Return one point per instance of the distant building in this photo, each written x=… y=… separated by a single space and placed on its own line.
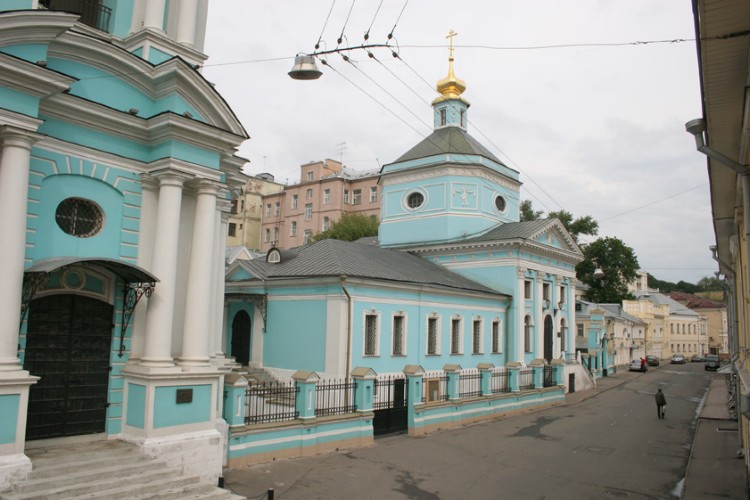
x=715 y=314
x=244 y=225
x=327 y=189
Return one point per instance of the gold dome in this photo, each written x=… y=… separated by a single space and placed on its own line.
x=450 y=87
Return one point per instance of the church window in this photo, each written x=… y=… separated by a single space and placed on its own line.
x=527 y=334
x=496 y=341
x=476 y=337
x=371 y=335
x=563 y=334
x=500 y=203
x=456 y=336
x=433 y=345
x=463 y=118
x=398 y=336
x=415 y=200
x=527 y=289
x=79 y=217
x=443 y=119
x=232 y=229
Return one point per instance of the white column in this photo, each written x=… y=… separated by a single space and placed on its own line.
x=538 y=341
x=520 y=309
x=217 y=311
x=160 y=311
x=198 y=303
x=147 y=230
x=572 y=325
x=154 y=15
x=186 y=21
x=14 y=186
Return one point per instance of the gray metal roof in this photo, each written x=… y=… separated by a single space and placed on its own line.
x=513 y=230
x=661 y=299
x=333 y=258
x=447 y=140
x=616 y=310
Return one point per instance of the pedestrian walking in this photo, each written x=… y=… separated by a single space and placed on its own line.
x=661 y=402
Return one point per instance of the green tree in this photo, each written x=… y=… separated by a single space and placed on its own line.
x=581 y=225
x=350 y=227
x=710 y=284
x=528 y=213
x=618 y=264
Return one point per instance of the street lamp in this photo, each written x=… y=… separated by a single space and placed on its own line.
x=304 y=67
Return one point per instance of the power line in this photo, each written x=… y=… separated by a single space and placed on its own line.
x=654 y=202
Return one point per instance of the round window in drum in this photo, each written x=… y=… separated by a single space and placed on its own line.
x=500 y=203
x=79 y=217
x=415 y=200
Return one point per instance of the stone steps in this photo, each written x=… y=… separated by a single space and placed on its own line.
x=107 y=469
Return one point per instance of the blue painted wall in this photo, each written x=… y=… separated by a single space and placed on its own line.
x=167 y=412
x=9 y=417
x=136 y=416
x=295 y=335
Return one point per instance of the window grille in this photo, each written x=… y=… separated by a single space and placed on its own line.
x=398 y=335
x=79 y=217
x=496 y=336
x=477 y=337
x=432 y=336
x=455 y=336
x=371 y=335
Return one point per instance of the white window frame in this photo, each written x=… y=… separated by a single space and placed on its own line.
x=373 y=194
x=326 y=223
x=309 y=194
x=356 y=196
x=267 y=236
x=326 y=196
x=295 y=199
x=430 y=320
x=293 y=229
x=277 y=209
x=309 y=176
x=268 y=210
x=477 y=330
x=308 y=211
x=276 y=234
x=307 y=236
x=528 y=290
x=457 y=335
x=401 y=351
x=528 y=334
x=376 y=318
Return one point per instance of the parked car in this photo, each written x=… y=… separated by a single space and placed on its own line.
x=712 y=362
x=635 y=366
x=697 y=358
x=652 y=360
x=678 y=359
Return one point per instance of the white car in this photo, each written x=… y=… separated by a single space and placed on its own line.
x=635 y=366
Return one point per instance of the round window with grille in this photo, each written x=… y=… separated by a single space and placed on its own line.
x=500 y=203
x=415 y=200
x=79 y=217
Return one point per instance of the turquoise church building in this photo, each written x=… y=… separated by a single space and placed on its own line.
x=453 y=278
x=116 y=162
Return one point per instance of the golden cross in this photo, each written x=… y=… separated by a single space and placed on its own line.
x=450 y=36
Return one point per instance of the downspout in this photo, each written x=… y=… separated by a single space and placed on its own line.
x=348 y=327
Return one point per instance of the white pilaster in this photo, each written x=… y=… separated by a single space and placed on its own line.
x=14 y=185
x=200 y=300
x=160 y=311
x=520 y=309
x=186 y=21
x=218 y=311
x=154 y=15
x=572 y=326
x=538 y=341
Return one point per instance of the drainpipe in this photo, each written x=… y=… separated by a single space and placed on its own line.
x=348 y=327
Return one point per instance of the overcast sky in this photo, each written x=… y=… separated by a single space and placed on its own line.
x=560 y=91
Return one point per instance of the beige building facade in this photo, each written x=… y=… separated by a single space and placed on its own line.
x=244 y=224
x=327 y=189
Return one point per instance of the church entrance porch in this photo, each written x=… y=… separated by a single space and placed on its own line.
x=68 y=346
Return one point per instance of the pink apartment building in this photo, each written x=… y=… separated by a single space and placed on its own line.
x=326 y=190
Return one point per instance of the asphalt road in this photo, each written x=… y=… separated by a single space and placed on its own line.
x=610 y=445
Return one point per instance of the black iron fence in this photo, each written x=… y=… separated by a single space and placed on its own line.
x=270 y=402
x=526 y=379
x=500 y=381
x=549 y=376
x=335 y=397
x=470 y=385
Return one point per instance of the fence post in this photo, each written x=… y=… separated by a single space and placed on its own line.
x=485 y=370
x=514 y=368
x=235 y=387
x=414 y=380
x=538 y=366
x=559 y=366
x=365 y=379
x=305 y=400
x=453 y=374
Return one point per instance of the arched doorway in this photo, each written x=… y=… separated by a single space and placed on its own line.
x=241 y=338
x=548 y=338
x=68 y=345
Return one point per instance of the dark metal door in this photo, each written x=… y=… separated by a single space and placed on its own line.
x=68 y=346
x=390 y=406
x=548 y=340
x=241 y=338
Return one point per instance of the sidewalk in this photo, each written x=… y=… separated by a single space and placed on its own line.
x=715 y=469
